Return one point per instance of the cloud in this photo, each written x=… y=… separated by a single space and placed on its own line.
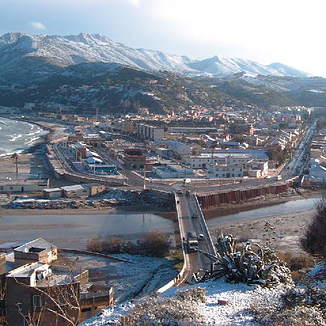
x=134 y=2
x=38 y=25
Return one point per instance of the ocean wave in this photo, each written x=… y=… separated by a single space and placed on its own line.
x=34 y=133
x=4 y=153
x=32 y=141
x=15 y=137
x=18 y=136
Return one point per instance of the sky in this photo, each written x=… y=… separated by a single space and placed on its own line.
x=286 y=31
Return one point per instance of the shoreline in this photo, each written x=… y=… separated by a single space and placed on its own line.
x=230 y=209
x=171 y=215
x=30 y=149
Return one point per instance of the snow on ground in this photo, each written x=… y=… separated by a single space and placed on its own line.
x=144 y=275
x=137 y=278
x=319 y=274
x=240 y=298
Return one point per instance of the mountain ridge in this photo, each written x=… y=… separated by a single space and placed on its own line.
x=23 y=51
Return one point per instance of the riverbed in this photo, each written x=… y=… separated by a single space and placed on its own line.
x=74 y=230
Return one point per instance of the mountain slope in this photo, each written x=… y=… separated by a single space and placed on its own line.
x=287 y=71
x=221 y=66
x=27 y=58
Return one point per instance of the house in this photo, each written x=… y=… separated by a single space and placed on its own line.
x=133 y=158
x=95 y=189
x=43 y=294
x=173 y=172
x=52 y=193
x=75 y=191
x=52 y=295
x=28 y=185
x=37 y=250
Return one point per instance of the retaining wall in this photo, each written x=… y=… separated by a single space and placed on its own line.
x=237 y=196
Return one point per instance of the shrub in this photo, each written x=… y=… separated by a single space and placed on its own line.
x=195 y=295
x=302 y=306
x=314 y=240
x=154 y=244
x=297 y=262
x=252 y=264
x=154 y=311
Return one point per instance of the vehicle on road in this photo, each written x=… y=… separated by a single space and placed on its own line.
x=201 y=237
x=192 y=242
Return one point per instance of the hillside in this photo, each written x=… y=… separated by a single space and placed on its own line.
x=26 y=59
x=113 y=87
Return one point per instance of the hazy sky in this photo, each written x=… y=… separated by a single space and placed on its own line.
x=287 y=31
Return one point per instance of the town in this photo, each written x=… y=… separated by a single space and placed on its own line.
x=204 y=161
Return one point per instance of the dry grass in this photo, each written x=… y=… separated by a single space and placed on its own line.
x=304 y=306
x=155 y=311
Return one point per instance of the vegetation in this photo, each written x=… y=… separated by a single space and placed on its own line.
x=314 y=239
x=252 y=264
x=181 y=310
x=155 y=244
x=302 y=306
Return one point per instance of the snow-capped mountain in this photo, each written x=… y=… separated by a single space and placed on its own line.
x=223 y=66
x=39 y=55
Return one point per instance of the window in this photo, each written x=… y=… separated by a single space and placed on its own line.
x=37 y=301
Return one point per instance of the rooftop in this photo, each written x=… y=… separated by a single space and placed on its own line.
x=39 y=243
x=26 y=270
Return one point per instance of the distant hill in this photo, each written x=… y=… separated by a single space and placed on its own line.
x=26 y=58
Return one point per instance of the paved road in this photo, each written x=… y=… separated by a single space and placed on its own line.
x=191 y=219
x=300 y=155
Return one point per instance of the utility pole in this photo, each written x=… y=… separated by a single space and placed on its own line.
x=145 y=174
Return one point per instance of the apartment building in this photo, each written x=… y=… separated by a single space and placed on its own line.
x=148 y=132
x=43 y=292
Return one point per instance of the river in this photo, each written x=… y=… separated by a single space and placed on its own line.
x=75 y=230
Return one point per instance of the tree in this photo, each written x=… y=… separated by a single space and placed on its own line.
x=15 y=157
x=314 y=239
x=156 y=244
x=57 y=303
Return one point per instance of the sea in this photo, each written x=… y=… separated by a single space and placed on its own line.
x=17 y=136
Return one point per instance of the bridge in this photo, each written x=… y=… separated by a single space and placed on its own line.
x=192 y=225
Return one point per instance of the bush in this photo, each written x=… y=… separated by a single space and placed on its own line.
x=297 y=262
x=155 y=244
x=168 y=311
x=302 y=306
x=314 y=240
x=252 y=264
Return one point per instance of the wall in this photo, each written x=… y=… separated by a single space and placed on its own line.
x=213 y=200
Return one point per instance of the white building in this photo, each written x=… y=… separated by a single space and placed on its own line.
x=229 y=165
x=148 y=132
x=205 y=160
x=173 y=172
x=225 y=171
